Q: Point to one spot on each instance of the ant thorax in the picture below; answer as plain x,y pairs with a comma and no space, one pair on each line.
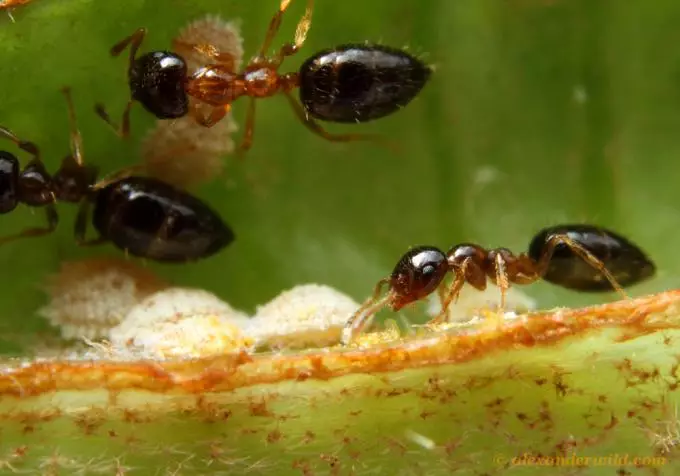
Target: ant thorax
216,85
261,80
73,181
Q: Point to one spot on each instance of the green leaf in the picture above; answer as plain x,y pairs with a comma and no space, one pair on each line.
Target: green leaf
592,388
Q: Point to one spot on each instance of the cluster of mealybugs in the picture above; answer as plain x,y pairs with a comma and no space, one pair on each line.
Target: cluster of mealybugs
351,83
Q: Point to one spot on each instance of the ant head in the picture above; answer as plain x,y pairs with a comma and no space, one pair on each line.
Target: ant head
72,181
417,274
157,80
9,176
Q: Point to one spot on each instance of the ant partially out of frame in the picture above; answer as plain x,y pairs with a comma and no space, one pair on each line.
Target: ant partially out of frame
351,83
10,5
35,187
141,215
579,257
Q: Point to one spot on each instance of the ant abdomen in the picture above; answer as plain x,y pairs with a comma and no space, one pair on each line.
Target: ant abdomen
9,179
152,219
359,83
626,262
417,274
157,80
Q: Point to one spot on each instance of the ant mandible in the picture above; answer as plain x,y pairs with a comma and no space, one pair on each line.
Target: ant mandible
579,257
350,83
143,216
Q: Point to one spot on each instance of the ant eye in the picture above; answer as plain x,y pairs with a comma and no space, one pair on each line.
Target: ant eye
428,270
418,273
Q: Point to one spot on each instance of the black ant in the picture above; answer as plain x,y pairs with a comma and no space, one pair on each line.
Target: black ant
579,257
350,83
140,215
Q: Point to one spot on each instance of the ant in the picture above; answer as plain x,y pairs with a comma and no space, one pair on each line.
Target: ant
579,257
143,216
350,83
9,5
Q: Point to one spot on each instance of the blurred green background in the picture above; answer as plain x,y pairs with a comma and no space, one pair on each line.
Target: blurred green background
540,112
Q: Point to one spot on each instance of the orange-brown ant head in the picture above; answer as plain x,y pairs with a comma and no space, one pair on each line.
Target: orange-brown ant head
417,274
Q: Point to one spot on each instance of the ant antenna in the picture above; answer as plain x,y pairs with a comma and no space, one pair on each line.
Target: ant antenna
363,316
76,138
26,146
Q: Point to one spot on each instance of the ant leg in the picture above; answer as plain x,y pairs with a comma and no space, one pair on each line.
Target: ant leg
289,49
454,291
275,24
76,138
583,253
208,120
52,221
364,315
122,131
304,25
134,41
351,333
121,174
80,229
26,146
501,280
441,294
247,141
313,126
